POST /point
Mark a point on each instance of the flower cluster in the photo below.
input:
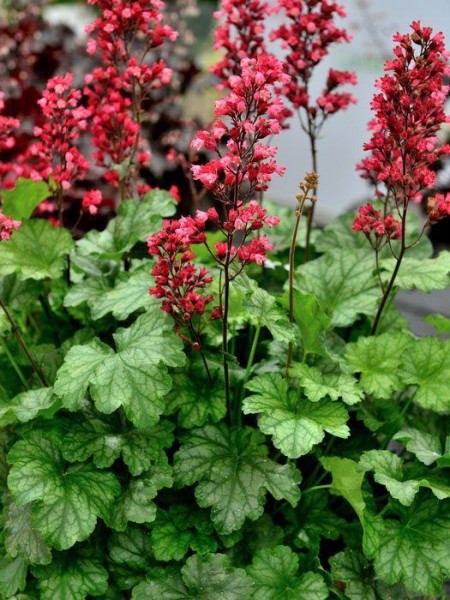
(7, 226)
(124, 34)
(65, 119)
(178, 282)
(409, 110)
(7, 125)
(121, 22)
(7, 141)
(241, 35)
(371, 221)
(91, 201)
(309, 33)
(253, 114)
(438, 208)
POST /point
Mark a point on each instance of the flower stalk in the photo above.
(306, 187)
(16, 332)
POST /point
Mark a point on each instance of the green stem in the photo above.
(384, 510)
(317, 487)
(291, 275)
(16, 332)
(251, 358)
(406, 405)
(14, 364)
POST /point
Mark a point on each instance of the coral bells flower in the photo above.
(371, 221)
(7, 125)
(124, 34)
(409, 110)
(122, 21)
(308, 35)
(178, 282)
(7, 141)
(65, 120)
(7, 226)
(241, 35)
(91, 201)
(253, 114)
(438, 208)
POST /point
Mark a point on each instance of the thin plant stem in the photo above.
(309, 223)
(226, 302)
(14, 364)
(291, 274)
(251, 358)
(325, 486)
(390, 285)
(202, 354)
(16, 332)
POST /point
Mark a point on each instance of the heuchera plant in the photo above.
(276, 431)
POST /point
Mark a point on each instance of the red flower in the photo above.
(438, 208)
(7, 226)
(310, 31)
(409, 111)
(91, 201)
(65, 118)
(371, 221)
(117, 90)
(178, 282)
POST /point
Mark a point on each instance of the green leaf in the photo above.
(388, 471)
(195, 400)
(13, 575)
(20, 202)
(415, 549)
(138, 447)
(318, 385)
(378, 360)
(128, 295)
(281, 235)
(425, 446)
(135, 503)
(21, 539)
(426, 364)
(36, 251)
(27, 405)
(72, 575)
(69, 500)
(442, 324)
(135, 220)
(179, 529)
(343, 283)
(295, 424)
(207, 578)
(134, 377)
(234, 473)
(402, 484)
(338, 235)
(316, 521)
(422, 274)
(264, 310)
(132, 548)
(311, 320)
(89, 290)
(351, 568)
(347, 481)
(274, 574)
